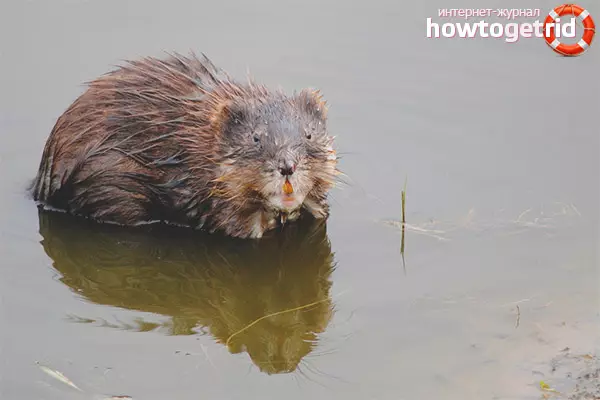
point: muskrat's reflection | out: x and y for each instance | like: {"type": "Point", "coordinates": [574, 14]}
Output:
{"type": "Point", "coordinates": [204, 281]}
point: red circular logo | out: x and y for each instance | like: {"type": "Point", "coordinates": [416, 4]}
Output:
{"type": "Point", "coordinates": [589, 30]}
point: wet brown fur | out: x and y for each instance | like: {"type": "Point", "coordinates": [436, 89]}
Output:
{"type": "Point", "coordinates": [145, 143]}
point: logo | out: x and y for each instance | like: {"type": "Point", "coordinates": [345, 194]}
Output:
{"type": "Point", "coordinates": [589, 30]}
{"type": "Point", "coordinates": [552, 30]}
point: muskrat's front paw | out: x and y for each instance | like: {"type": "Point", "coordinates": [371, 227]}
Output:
{"type": "Point", "coordinates": [272, 223]}
{"type": "Point", "coordinates": [316, 209]}
{"type": "Point", "coordinates": [294, 215]}
{"type": "Point", "coordinates": [256, 228]}
{"type": "Point", "coordinates": [320, 214]}
{"type": "Point", "coordinates": [256, 234]}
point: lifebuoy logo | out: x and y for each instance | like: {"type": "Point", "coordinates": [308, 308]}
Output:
{"type": "Point", "coordinates": [589, 30]}
{"type": "Point", "coordinates": [556, 27]}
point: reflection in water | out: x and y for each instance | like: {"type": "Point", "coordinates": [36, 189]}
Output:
{"type": "Point", "coordinates": [208, 281]}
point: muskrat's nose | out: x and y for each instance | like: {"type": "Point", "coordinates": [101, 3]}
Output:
{"type": "Point", "coordinates": [287, 168]}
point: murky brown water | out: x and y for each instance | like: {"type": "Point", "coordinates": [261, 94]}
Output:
{"type": "Point", "coordinates": [499, 143]}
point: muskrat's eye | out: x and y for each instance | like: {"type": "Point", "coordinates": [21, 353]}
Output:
{"type": "Point", "coordinates": [308, 136]}
{"type": "Point", "coordinates": [256, 139]}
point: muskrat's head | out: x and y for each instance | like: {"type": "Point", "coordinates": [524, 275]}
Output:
{"type": "Point", "coordinates": [276, 150]}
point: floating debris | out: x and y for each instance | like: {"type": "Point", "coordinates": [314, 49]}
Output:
{"type": "Point", "coordinates": [58, 376]}
{"type": "Point", "coordinates": [61, 377]}
{"type": "Point", "coordinates": [544, 385]}
{"type": "Point", "coordinates": [256, 321]}
{"type": "Point", "coordinates": [546, 388]}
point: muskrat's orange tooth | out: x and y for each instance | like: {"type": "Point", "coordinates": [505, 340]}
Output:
{"type": "Point", "coordinates": [288, 188]}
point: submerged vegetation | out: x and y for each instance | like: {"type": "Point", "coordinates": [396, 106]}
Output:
{"type": "Point", "coordinates": [403, 225]}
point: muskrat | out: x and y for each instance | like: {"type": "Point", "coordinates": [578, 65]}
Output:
{"type": "Point", "coordinates": [177, 140]}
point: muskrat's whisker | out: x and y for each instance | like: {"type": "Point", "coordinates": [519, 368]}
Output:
{"type": "Point", "coordinates": [345, 153]}
{"type": "Point", "coordinates": [302, 374]}
{"type": "Point", "coordinates": [297, 380]}
{"type": "Point", "coordinates": [321, 354]}
{"type": "Point", "coordinates": [300, 368]}
{"type": "Point", "coordinates": [318, 371]}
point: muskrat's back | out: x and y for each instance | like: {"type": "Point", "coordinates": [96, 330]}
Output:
{"type": "Point", "coordinates": [177, 140]}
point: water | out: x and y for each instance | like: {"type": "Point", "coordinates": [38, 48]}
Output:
{"type": "Point", "coordinates": [497, 142]}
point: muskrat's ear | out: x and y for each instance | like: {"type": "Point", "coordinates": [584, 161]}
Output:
{"type": "Point", "coordinates": [312, 102]}
{"type": "Point", "coordinates": [227, 114]}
